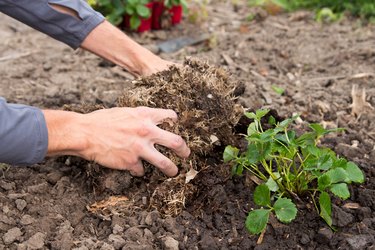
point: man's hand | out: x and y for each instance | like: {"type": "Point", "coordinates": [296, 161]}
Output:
{"type": "Point", "coordinates": [118, 138]}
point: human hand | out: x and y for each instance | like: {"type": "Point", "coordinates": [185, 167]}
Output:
{"type": "Point", "coordinates": [118, 138]}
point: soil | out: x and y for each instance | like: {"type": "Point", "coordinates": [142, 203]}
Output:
{"type": "Point", "coordinates": [57, 205]}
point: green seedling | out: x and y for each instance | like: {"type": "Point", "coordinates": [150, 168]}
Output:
{"type": "Point", "coordinates": [278, 90]}
{"type": "Point", "coordinates": [292, 168]}
{"type": "Point", "coordinates": [326, 15]}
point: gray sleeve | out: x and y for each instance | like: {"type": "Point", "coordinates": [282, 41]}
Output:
{"type": "Point", "coordinates": [63, 27]}
{"type": "Point", "coordinates": [23, 134]}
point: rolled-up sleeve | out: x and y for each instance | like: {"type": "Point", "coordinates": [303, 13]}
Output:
{"type": "Point", "coordinates": [41, 16]}
{"type": "Point", "coordinates": [23, 134]}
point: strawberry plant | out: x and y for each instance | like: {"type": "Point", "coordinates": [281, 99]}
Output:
{"type": "Point", "coordinates": [114, 10]}
{"type": "Point", "coordinates": [137, 10]}
{"type": "Point", "coordinates": [291, 168]}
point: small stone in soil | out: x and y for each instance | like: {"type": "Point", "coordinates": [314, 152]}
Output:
{"type": "Point", "coordinates": [116, 240]}
{"type": "Point", "coordinates": [12, 235]}
{"type": "Point", "coordinates": [27, 220]}
{"type": "Point", "coordinates": [36, 241]}
{"type": "Point", "coordinates": [360, 241]}
{"type": "Point", "coordinates": [133, 234]}
{"type": "Point", "coordinates": [324, 235]}
{"type": "Point", "coordinates": [170, 244]}
{"type": "Point", "coordinates": [342, 218]}
{"type": "Point", "coordinates": [21, 204]}
{"type": "Point", "coordinates": [305, 239]}
{"type": "Point", "coordinates": [117, 229]}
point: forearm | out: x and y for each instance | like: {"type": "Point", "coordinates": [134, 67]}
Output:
{"type": "Point", "coordinates": [112, 44]}
{"type": "Point", "coordinates": [77, 24]}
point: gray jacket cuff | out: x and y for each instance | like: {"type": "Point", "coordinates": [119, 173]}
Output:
{"type": "Point", "coordinates": [23, 134]}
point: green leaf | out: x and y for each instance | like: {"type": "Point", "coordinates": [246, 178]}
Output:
{"type": "Point", "coordinates": [318, 128]}
{"type": "Point", "coordinates": [143, 11]}
{"type": "Point", "coordinates": [117, 4]}
{"type": "Point", "coordinates": [271, 120]}
{"type": "Point", "coordinates": [278, 90]}
{"type": "Point", "coordinates": [355, 174]}
{"type": "Point", "coordinates": [168, 3]}
{"type": "Point", "coordinates": [285, 210]}
{"type": "Point", "coordinates": [251, 115]}
{"type": "Point", "coordinates": [306, 139]}
{"type": "Point", "coordinates": [261, 112]}
{"type": "Point", "coordinates": [291, 135]}
{"type": "Point", "coordinates": [230, 153]}
{"type": "Point", "coordinates": [239, 169]}
{"type": "Point", "coordinates": [256, 220]}
{"type": "Point", "coordinates": [262, 195]}
{"type": "Point", "coordinates": [337, 175]}
{"type": "Point", "coordinates": [129, 10]}
{"type": "Point", "coordinates": [132, 2]}
{"type": "Point", "coordinates": [326, 15]}
{"type": "Point", "coordinates": [284, 124]}
{"type": "Point", "coordinates": [264, 149]}
{"type": "Point", "coordinates": [135, 22]}
{"type": "Point", "coordinates": [325, 207]}
{"type": "Point", "coordinates": [272, 184]}
{"type": "Point", "coordinates": [267, 135]}
{"type": "Point", "coordinates": [324, 181]}
{"type": "Point", "coordinates": [105, 2]}
{"type": "Point", "coordinates": [234, 169]}
{"type": "Point", "coordinates": [184, 5]}
{"type": "Point", "coordinates": [252, 154]}
{"type": "Point", "coordinates": [252, 129]}
{"type": "Point", "coordinates": [324, 162]}
{"type": "Point", "coordinates": [114, 18]}
{"type": "Point", "coordinates": [340, 190]}
{"type": "Point", "coordinates": [339, 163]}
{"type": "Point", "coordinates": [314, 150]}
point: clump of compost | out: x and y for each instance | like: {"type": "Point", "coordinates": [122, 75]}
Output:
{"type": "Point", "coordinates": [203, 97]}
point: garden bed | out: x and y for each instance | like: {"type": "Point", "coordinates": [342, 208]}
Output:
{"type": "Point", "coordinates": [48, 205]}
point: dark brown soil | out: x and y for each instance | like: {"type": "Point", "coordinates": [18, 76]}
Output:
{"type": "Point", "coordinates": [46, 206]}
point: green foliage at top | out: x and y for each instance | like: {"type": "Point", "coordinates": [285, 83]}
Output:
{"type": "Point", "coordinates": [327, 8]}
{"type": "Point", "coordinates": [170, 3]}
{"type": "Point", "coordinates": [114, 10]}
{"type": "Point", "coordinates": [290, 167]}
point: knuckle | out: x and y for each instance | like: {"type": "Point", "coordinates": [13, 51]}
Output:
{"type": "Point", "coordinates": [144, 129]}
{"type": "Point", "coordinates": [138, 147]}
{"type": "Point", "coordinates": [131, 161]}
{"type": "Point", "coordinates": [142, 111]}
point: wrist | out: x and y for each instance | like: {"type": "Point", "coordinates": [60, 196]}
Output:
{"type": "Point", "coordinates": [66, 133]}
